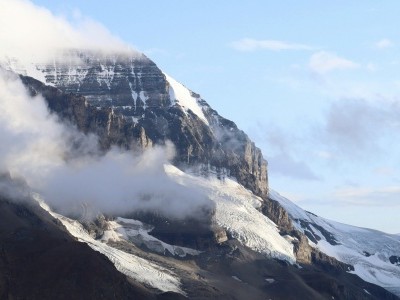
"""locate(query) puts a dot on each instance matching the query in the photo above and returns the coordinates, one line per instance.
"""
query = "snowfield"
(237, 212)
(144, 271)
(366, 249)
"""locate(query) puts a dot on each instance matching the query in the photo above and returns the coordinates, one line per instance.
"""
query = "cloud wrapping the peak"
(64, 165)
(248, 45)
(28, 133)
(29, 32)
(67, 169)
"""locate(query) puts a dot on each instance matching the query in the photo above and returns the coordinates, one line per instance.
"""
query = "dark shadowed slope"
(39, 259)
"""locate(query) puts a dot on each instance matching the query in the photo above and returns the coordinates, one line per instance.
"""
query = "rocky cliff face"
(127, 101)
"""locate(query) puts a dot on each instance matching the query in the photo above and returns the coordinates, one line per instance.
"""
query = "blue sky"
(315, 84)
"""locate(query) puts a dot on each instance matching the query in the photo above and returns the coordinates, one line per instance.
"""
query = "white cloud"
(384, 43)
(248, 45)
(67, 169)
(28, 133)
(31, 32)
(323, 62)
(55, 159)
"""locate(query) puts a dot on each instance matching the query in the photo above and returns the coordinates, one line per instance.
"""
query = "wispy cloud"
(323, 62)
(354, 125)
(285, 165)
(384, 43)
(282, 160)
(248, 45)
(383, 196)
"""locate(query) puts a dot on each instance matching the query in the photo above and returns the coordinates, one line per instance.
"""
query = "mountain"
(249, 243)
(374, 255)
(128, 99)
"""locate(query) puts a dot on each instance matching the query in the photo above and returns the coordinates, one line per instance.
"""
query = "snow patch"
(182, 96)
(143, 96)
(142, 270)
(29, 69)
(138, 233)
(236, 278)
(367, 292)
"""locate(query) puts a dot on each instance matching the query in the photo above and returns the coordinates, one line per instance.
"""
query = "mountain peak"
(128, 100)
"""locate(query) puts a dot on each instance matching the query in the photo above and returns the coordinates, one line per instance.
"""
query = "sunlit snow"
(181, 95)
(237, 212)
(366, 249)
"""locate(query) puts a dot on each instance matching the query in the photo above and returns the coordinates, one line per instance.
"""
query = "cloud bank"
(37, 148)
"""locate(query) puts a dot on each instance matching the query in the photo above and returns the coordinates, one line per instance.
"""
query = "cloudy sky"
(315, 84)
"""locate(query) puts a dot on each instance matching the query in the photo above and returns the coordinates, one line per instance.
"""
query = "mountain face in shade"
(251, 246)
(39, 259)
